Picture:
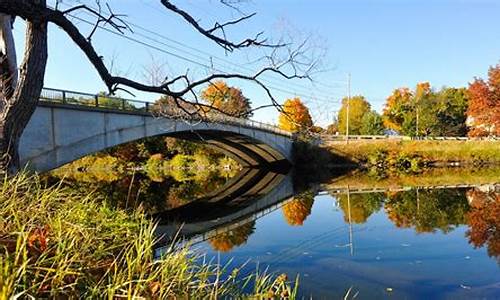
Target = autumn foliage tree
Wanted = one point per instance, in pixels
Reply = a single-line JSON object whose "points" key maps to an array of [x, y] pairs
{"points": [[227, 99], [226, 241], [297, 210], [484, 221], [295, 116], [396, 107], [171, 107], [483, 113]]}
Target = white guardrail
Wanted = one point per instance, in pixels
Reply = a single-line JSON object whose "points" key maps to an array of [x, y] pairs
{"points": [[339, 138]]}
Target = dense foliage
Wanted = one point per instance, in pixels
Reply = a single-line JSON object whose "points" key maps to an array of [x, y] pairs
{"points": [[484, 220], [238, 236], [297, 210], [425, 112], [295, 116], [227, 99], [358, 108], [484, 107]]}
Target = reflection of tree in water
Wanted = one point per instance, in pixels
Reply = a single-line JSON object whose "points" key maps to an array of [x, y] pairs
{"points": [[226, 241], [362, 206], [297, 210], [484, 221], [427, 210]]}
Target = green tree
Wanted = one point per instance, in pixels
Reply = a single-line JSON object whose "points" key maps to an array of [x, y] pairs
{"points": [[362, 206], [358, 107], [428, 210], [451, 112], [424, 112], [372, 124], [397, 106]]}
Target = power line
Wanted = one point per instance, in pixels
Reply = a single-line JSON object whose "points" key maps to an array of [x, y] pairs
{"points": [[182, 57], [324, 93]]}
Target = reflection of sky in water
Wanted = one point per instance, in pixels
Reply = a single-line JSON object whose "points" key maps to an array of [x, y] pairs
{"points": [[414, 265]]}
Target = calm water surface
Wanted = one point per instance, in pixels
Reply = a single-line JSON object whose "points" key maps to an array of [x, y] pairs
{"points": [[401, 245], [381, 239]]}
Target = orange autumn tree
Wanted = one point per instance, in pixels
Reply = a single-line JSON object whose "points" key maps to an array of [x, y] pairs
{"points": [[297, 210], [484, 221], [226, 241], [483, 113], [227, 99], [295, 116]]}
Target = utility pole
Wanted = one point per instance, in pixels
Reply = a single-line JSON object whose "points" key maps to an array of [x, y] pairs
{"points": [[347, 110]]}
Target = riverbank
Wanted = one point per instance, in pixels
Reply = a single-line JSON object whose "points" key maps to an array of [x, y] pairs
{"points": [[60, 243], [414, 155], [435, 177]]}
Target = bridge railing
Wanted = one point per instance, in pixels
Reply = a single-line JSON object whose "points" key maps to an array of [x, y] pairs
{"points": [[66, 97], [93, 100]]}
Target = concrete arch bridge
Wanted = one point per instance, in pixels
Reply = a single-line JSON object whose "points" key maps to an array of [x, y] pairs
{"points": [[69, 125]]}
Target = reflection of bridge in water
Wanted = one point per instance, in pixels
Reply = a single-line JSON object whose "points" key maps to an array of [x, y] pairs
{"points": [[253, 194], [248, 196], [329, 189]]}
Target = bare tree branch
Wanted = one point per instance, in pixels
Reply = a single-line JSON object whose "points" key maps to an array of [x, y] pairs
{"points": [[294, 65], [223, 42], [113, 20]]}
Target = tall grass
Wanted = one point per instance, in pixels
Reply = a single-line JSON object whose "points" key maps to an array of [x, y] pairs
{"points": [[58, 243]]}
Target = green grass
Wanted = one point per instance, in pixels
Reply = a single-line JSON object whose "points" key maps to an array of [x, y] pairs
{"points": [[58, 243], [473, 152]]}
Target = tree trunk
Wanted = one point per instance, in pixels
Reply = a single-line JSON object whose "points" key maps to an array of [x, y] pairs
{"points": [[17, 107]]}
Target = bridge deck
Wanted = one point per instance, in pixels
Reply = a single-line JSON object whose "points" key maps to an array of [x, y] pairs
{"points": [[87, 101]]}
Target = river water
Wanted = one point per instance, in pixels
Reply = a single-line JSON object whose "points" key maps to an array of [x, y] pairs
{"points": [[431, 236], [401, 242]]}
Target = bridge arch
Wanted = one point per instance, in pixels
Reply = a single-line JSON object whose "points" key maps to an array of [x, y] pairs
{"points": [[59, 133]]}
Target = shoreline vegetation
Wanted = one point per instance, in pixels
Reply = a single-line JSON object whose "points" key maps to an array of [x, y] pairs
{"points": [[58, 242], [386, 157], [435, 177]]}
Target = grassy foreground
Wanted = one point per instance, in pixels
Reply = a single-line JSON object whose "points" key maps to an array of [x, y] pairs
{"points": [[57, 243]]}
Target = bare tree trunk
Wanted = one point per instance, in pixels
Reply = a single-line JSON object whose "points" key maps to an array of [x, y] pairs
{"points": [[17, 105], [8, 60]]}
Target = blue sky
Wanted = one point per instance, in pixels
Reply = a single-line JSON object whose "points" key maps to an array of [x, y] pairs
{"points": [[384, 45]]}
